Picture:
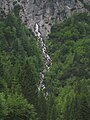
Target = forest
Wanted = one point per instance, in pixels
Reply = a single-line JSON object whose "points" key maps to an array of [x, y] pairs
{"points": [[67, 81]]}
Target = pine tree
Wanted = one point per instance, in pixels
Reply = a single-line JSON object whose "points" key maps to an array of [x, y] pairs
{"points": [[42, 106], [29, 82]]}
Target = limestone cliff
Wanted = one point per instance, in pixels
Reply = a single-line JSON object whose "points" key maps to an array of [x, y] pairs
{"points": [[44, 12]]}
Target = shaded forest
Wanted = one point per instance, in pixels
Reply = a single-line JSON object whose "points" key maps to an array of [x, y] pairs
{"points": [[67, 81], [20, 63]]}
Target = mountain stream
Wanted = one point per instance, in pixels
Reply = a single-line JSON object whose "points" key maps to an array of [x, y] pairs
{"points": [[46, 57]]}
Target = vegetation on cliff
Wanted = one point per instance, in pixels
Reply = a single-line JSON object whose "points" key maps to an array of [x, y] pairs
{"points": [[67, 81], [20, 63]]}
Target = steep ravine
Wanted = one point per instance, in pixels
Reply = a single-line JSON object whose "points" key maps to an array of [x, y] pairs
{"points": [[41, 15], [45, 56]]}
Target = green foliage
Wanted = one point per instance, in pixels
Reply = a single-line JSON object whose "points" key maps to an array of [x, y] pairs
{"points": [[73, 102], [70, 55], [68, 77], [42, 106], [15, 107], [67, 81], [20, 65], [29, 79]]}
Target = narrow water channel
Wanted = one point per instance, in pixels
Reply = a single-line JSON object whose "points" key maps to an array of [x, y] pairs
{"points": [[46, 57]]}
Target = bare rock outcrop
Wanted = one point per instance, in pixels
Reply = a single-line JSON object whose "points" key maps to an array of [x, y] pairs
{"points": [[44, 12]]}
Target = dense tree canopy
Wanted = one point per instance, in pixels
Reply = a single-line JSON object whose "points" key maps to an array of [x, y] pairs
{"points": [[67, 81], [69, 76], [20, 64]]}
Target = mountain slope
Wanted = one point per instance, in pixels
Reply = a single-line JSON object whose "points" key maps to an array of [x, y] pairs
{"points": [[68, 80], [44, 12], [20, 65], [66, 95]]}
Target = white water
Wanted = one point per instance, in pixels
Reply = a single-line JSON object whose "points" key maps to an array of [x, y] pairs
{"points": [[68, 7], [46, 57]]}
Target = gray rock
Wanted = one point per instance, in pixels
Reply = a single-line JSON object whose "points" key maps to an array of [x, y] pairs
{"points": [[44, 12]]}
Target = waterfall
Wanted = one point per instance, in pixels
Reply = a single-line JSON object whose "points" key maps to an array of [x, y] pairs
{"points": [[46, 57]]}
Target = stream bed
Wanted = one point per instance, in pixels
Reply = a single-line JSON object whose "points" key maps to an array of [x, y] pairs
{"points": [[45, 55]]}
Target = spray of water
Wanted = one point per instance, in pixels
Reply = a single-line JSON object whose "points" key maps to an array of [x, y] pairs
{"points": [[47, 59]]}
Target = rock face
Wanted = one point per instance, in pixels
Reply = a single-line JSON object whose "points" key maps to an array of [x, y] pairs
{"points": [[43, 12]]}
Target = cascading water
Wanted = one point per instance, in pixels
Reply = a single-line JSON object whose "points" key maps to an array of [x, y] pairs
{"points": [[47, 59]]}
